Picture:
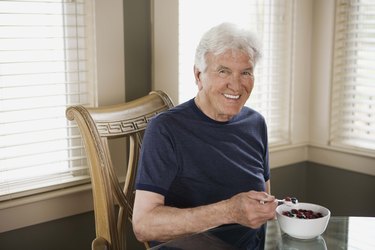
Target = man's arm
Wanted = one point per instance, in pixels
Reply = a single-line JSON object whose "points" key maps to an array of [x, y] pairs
{"points": [[152, 220]]}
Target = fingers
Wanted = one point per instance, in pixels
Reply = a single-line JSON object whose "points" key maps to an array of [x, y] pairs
{"points": [[262, 197], [265, 209], [265, 212], [246, 208]]}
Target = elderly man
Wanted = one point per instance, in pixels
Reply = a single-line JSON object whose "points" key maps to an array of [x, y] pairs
{"points": [[204, 163]]}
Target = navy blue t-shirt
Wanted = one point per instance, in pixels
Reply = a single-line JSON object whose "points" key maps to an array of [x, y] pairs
{"points": [[193, 160]]}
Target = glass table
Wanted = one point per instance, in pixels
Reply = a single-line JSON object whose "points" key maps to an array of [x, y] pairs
{"points": [[341, 233]]}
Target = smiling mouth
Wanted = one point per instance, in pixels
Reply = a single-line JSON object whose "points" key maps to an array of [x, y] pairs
{"points": [[232, 97]]}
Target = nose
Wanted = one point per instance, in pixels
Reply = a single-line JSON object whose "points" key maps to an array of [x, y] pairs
{"points": [[234, 82]]}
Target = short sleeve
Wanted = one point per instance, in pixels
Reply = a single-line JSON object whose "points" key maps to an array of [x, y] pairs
{"points": [[157, 167]]}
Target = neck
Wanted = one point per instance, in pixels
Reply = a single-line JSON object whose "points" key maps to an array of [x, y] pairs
{"points": [[217, 117]]}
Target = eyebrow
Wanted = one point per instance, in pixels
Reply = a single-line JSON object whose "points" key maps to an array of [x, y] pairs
{"points": [[227, 68], [222, 67], [250, 68]]}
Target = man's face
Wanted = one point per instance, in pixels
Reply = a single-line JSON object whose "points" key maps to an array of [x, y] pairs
{"points": [[226, 84]]}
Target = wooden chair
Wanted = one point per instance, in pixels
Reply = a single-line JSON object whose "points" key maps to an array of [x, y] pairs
{"points": [[113, 202]]}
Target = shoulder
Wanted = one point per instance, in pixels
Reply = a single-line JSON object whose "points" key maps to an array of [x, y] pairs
{"points": [[172, 115], [249, 113]]}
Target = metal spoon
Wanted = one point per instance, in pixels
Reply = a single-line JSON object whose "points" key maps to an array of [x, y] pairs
{"points": [[288, 201]]}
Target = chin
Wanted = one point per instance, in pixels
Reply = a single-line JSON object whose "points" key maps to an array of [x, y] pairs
{"points": [[232, 112]]}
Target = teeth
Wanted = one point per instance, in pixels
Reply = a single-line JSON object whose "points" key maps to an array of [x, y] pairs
{"points": [[231, 96]]}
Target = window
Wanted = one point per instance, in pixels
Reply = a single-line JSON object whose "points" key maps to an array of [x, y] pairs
{"points": [[353, 93], [45, 66], [272, 22]]}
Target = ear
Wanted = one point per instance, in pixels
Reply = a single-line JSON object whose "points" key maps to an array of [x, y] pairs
{"points": [[198, 77]]}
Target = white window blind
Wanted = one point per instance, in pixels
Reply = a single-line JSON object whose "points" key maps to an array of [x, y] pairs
{"points": [[353, 92], [272, 22], [44, 67]]}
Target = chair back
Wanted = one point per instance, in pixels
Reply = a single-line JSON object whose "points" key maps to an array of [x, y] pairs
{"points": [[114, 199]]}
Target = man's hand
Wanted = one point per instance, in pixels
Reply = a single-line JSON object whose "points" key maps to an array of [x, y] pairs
{"points": [[252, 208]]}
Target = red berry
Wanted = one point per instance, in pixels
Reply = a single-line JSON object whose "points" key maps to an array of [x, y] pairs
{"points": [[302, 214]]}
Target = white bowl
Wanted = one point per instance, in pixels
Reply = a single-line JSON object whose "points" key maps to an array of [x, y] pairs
{"points": [[303, 228]]}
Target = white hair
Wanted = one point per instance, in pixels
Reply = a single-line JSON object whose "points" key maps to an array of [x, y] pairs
{"points": [[224, 37]]}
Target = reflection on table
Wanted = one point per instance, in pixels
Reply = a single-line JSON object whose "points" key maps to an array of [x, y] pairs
{"points": [[341, 233]]}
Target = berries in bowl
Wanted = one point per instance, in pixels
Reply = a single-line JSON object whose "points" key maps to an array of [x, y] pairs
{"points": [[303, 220]]}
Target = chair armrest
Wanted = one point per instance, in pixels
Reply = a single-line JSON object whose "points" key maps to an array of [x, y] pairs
{"points": [[99, 244]]}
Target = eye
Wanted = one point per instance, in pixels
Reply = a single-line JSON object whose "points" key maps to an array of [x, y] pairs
{"points": [[247, 74], [224, 73]]}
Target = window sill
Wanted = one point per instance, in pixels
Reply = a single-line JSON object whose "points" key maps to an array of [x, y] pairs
{"points": [[326, 155], [288, 154], [45, 207], [342, 158]]}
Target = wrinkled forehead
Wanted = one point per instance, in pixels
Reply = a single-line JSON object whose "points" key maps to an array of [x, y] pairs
{"points": [[229, 55]]}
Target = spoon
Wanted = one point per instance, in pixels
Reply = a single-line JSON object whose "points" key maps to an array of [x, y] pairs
{"points": [[288, 201]]}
